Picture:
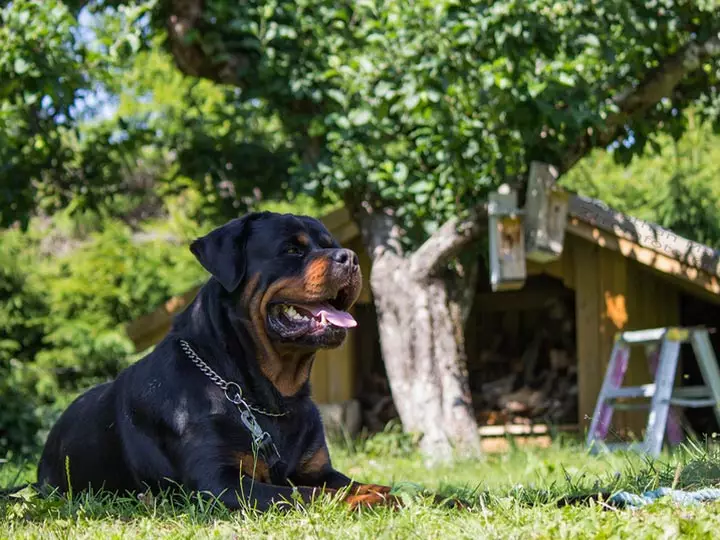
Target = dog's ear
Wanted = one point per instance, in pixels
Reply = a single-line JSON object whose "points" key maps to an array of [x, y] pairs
{"points": [[222, 252]]}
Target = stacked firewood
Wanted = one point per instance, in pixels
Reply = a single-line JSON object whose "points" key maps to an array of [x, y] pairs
{"points": [[538, 385], [550, 397]]}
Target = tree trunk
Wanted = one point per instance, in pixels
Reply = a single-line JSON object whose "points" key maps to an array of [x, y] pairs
{"points": [[422, 306]]}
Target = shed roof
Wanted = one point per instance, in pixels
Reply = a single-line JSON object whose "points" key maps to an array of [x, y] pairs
{"points": [[691, 263]]}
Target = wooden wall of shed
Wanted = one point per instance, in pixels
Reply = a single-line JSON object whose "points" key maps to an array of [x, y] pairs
{"points": [[612, 293]]}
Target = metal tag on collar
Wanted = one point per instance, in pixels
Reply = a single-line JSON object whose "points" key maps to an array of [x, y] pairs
{"points": [[248, 420], [261, 439]]}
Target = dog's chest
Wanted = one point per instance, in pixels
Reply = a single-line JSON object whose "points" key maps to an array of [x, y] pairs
{"points": [[286, 439]]}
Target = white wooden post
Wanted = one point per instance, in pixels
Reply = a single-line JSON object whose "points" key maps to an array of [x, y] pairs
{"points": [[546, 209], [507, 243]]}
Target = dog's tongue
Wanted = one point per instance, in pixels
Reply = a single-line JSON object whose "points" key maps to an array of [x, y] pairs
{"points": [[332, 315]]}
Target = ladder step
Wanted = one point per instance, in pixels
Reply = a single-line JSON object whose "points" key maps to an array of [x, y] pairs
{"points": [[631, 406], [692, 392], [693, 403], [646, 390], [643, 336]]}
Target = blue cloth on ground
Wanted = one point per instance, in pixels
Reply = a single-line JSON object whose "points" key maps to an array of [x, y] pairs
{"points": [[632, 500]]}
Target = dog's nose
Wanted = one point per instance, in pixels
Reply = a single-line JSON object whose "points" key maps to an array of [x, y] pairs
{"points": [[347, 258]]}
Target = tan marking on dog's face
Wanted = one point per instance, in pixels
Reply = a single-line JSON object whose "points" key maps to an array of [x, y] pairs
{"points": [[287, 373], [303, 239], [316, 276]]}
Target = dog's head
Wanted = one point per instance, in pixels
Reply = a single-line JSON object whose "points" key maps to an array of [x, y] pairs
{"points": [[290, 275]]}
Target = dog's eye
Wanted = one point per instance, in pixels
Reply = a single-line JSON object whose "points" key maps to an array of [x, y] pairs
{"points": [[292, 250]]}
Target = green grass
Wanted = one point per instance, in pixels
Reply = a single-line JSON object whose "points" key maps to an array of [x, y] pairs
{"points": [[514, 496]]}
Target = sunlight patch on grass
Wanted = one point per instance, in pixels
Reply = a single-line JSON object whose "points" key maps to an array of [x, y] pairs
{"points": [[512, 495]]}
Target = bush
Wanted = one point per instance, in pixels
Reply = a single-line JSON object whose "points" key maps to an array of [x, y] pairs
{"points": [[63, 319], [22, 309]]}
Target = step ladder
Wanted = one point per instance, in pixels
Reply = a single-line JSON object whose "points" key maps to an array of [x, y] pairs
{"points": [[662, 393]]}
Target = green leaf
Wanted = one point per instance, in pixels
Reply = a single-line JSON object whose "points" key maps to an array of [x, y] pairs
{"points": [[360, 117], [423, 186], [20, 66], [566, 79], [400, 173]]}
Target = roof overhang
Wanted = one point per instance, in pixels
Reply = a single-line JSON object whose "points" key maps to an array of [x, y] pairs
{"points": [[694, 266]]}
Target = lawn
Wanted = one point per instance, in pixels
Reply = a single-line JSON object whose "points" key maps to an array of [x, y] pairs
{"points": [[514, 496]]}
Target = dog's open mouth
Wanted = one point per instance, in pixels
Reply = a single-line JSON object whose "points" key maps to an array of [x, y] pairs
{"points": [[315, 317], [291, 320]]}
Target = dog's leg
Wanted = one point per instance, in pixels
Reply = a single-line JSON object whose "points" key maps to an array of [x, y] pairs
{"points": [[316, 470], [368, 495], [237, 492], [357, 494]]}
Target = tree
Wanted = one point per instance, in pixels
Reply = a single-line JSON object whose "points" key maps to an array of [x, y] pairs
{"points": [[675, 185], [95, 117], [413, 111]]}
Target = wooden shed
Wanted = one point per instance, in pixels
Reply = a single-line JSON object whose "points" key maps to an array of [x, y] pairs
{"points": [[616, 273]]}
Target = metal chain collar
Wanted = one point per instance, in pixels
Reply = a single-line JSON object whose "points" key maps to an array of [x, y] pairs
{"points": [[227, 387], [261, 440]]}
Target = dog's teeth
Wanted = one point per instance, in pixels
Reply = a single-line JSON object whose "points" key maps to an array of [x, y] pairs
{"points": [[293, 314]]}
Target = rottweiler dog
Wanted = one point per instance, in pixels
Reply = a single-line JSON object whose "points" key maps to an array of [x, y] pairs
{"points": [[222, 404]]}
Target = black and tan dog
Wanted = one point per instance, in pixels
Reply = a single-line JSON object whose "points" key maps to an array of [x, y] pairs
{"points": [[233, 369]]}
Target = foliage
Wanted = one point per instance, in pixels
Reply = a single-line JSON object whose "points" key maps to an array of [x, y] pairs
{"points": [[442, 99], [675, 186], [63, 317], [93, 120], [47, 73], [207, 138], [22, 307], [420, 107], [392, 441], [112, 280], [514, 495], [423, 106]]}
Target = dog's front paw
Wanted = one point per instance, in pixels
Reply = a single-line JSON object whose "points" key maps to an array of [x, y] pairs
{"points": [[371, 500], [372, 495]]}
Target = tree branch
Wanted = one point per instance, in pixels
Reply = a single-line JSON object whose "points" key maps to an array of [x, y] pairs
{"points": [[635, 101], [182, 22], [447, 242], [379, 231]]}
